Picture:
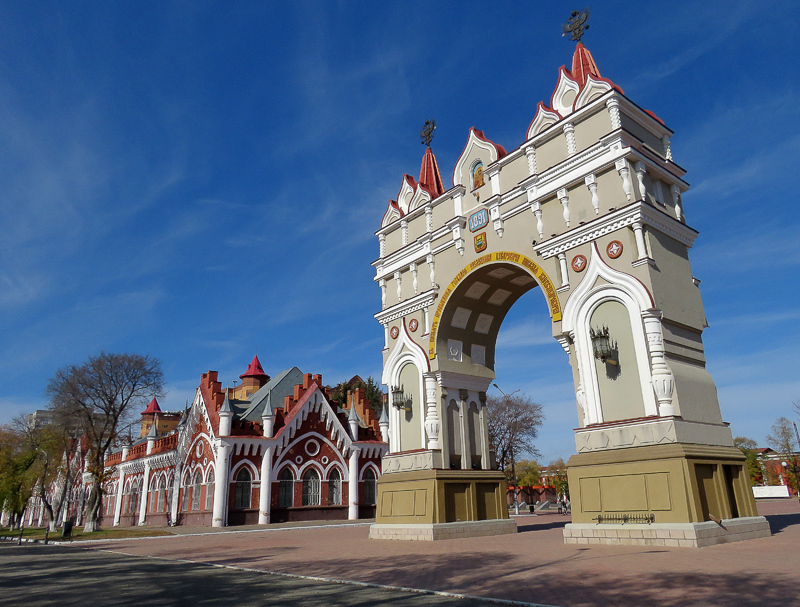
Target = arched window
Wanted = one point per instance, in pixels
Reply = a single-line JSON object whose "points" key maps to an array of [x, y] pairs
{"points": [[185, 501], [369, 486], [210, 490], [243, 489], [334, 488], [477, 175], [135, 492], [198, 482], [311, 487], [286, 489], [152, 500], [162, 494]]}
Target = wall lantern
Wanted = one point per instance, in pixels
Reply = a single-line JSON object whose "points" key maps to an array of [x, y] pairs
{"points": [[603, 348], [401, 400]]}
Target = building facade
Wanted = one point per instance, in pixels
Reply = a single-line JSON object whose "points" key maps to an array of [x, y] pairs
{"points": [[265, 451]]}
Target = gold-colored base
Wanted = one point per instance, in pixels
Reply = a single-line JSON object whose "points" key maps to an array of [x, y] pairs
{"points": [[674, 483], [440, 496]]}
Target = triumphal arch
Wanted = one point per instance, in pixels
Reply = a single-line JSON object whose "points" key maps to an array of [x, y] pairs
{"points": [[589, 210]]}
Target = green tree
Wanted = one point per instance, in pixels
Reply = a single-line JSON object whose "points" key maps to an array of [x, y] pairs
{"points": [[17, 472], [529, 473], [748, 448], [557, 473], [100, 396]]}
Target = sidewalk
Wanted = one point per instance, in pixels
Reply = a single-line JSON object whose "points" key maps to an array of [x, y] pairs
{"points": [[532, 566]]}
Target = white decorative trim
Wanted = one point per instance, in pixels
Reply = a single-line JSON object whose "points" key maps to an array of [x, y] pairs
{"points": [[423, 300], [459, 177], [565, 86], [593, 89], [578, 310], [545, 118], [636, 212]]}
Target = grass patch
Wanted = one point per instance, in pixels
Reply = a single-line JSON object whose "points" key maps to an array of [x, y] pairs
{"points": [[78, 534]]}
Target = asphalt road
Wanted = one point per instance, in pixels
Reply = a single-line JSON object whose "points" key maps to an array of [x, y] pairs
{"points": [[38, 575]]}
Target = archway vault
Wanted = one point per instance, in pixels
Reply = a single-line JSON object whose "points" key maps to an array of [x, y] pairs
{"points": [[474, 304]]}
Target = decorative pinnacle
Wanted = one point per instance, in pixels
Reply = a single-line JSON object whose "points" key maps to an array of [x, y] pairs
{"points": [[427, 132], [575, 25]]}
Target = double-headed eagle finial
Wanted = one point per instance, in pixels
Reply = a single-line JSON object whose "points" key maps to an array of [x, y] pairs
{"points": [[427, 132], [575, 25]]}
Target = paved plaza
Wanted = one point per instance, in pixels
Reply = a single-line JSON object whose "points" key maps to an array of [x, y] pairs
{"points": [[534, 567]]}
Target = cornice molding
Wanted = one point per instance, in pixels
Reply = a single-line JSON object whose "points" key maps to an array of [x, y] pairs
{"points": [[408, 306], [635, 212]]}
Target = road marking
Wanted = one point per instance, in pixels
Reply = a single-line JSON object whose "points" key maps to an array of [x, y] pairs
{"points": [[314, 578]]}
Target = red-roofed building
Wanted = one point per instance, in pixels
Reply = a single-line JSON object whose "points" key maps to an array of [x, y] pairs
{"points": [[267, 450]]}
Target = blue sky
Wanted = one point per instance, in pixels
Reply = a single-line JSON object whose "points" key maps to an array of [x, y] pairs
{"points": [[201, 182]]}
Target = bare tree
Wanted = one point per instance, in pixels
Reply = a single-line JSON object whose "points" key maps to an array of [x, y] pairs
{"points": [[783, 439], [100, 396], [513, 422]]}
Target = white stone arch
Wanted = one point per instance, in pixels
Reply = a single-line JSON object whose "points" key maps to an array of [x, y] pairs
{"points": [[211, 467], [336, 465], [286, 463], [369, 466], [634, 296], [242, 464], [405, 351]]}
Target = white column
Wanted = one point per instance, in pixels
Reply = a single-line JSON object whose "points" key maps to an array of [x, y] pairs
{"points": [[176, 494], [265, 493], [676, 199], [562, 264], [352, 484], [613, 112], [624, 172], [381, 245], [432, 268], [431, 414], [466, 454], [530, 152], [398, 281], [414, 283], [220, 512], [404, 230], [640, 171], [662, 378], [569, 133], [641, 246], [563, 196], [144, 495], [118, 500], [486, 460], [382, 285], [591, 183]]}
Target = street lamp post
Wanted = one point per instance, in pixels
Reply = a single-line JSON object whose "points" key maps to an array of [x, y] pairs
{"points": [[511, 446]]}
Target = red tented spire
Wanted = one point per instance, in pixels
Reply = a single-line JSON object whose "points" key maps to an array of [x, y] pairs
{"points": [[583, 64], [152, 407], [254, 370], [429, 175]]}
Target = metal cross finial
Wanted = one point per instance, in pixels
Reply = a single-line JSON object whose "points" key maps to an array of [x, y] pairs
{"points": [[427, 132], [575, 25]]}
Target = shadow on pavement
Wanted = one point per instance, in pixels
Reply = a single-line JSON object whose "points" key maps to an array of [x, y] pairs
{"points": [[779, 522]]}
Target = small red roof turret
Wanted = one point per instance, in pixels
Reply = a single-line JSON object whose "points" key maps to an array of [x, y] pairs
{"points": [[152, 407], [429, 174], [254, 370], [583, 65]]}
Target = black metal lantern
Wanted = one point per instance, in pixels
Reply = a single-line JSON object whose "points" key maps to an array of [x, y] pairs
{"points": [[401, 400], [602, 346]]}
